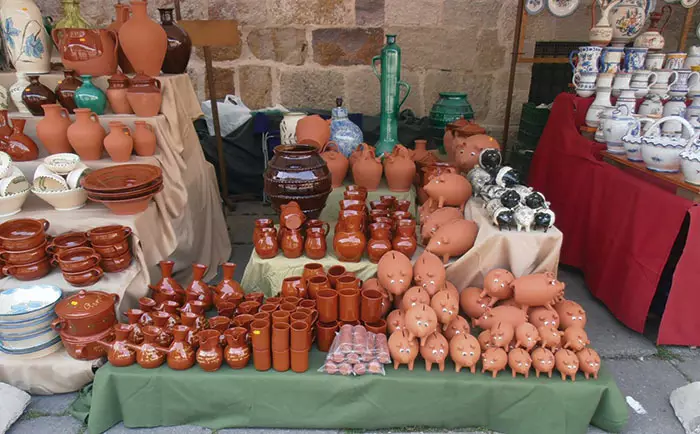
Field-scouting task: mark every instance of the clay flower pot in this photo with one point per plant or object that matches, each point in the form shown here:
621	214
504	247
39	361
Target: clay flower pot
337	163
143	41
86	135
119	143
52	129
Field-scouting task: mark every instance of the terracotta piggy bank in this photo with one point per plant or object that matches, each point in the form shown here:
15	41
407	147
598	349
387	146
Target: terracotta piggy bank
501	335
570	314
465	352
519	361
542	361
484	340
449	189
429	273
452	289
472	303
453	239
395	272
421	321
550	337
507	302
446	307
526	336
395	321
566	363
435	350
589	362
508	314
458	326
541	289
494	360
403	349
436	220
427	209
467	150
575	338
414	296
498	285
541	316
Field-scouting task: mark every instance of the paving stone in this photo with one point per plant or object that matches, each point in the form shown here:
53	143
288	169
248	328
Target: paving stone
52	404
241	228
369	12
285	44
240	256
254	208
181	429
47	424
345	47
684	401
275	431
689	366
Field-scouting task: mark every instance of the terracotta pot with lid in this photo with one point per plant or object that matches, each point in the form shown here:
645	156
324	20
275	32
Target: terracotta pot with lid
85	313
87	347
116	94
144	95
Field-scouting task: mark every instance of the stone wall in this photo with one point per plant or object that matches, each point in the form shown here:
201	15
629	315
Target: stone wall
308	52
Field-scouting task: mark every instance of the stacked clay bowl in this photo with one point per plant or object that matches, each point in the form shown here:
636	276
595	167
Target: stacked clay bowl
80	266
112	244
125	189
23	243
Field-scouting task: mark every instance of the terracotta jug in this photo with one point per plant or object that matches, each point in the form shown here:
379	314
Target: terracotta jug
87	51
5	128
337	163
180	354
118	142
144	95
350	241
380	241
119	353
209	355
122	15
227	288
162	321
399	169
147	306
86	135
367	169
292	243
148	354
116	94
198	288
315	245
293	287
313	130
291	215
144	139
179	44
405	239
166	283
52	129
421	155
36	94
237	352
65	90
144	42
18	145
265	243
135	334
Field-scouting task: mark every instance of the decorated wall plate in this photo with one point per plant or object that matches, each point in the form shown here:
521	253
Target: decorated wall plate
697	31
534	7
689	3
562	8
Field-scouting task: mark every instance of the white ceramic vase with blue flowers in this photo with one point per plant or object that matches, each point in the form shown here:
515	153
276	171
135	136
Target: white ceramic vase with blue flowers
344	132
26	41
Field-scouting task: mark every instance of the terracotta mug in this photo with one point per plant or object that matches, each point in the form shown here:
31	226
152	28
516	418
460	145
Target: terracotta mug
291	300
262	360
312	313
255	296
316	284
334	273
280	336
378	205
309	304
280	360
249	307
273	300
288	307
299	360
226	309
280	316
299	335
269	308
347	282
378	327
325	333
263	316
300	316
260	334
349	304
403	205
327	303
243	320
371	306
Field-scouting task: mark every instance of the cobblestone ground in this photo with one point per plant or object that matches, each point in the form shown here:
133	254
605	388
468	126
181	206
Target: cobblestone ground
643	371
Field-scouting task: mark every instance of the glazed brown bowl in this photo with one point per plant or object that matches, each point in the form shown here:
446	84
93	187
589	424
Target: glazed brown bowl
31	271
127	206
123	177
108	235
76	260
67	241
24	257
113	250
131	194
114	265
23	234
84	278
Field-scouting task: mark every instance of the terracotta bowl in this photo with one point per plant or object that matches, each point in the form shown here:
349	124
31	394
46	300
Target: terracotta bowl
32	271
128	206
131	194
23	234
25	256
113	250
77	259
123	177
84	278
67	241
107	235
114	265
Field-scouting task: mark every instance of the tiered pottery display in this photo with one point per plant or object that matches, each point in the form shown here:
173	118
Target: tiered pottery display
116	94
86	51
86	135
65	90
27	43
91	97
144	95
35	95
179	49
52	130
144	42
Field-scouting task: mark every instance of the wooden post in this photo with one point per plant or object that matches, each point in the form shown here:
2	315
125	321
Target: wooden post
517	40
178	13
686	28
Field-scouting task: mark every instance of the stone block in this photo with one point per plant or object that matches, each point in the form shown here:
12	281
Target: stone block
247	12
303	87
415	100
221	54
52	404
412	13
287	45
477	86
190	9
362	91
255	85
684	401
223	82
319	12
471	14
346	46
506	21
434	48
369	12
490	55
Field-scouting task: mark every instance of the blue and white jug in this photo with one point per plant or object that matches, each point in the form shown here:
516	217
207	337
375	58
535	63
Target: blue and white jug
343	131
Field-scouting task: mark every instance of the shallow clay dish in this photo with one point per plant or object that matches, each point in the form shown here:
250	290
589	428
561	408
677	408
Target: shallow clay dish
121	178
132	194
127	206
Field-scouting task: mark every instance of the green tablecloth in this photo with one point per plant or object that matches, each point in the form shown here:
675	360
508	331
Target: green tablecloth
248	398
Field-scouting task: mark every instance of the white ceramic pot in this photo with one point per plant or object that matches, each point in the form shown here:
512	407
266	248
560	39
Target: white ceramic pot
605	79
288	127
67	200
627	99
610	59
662	153
26	41
632	141
642	80
16	92
616	126
603	117
634	58
602	101
588	57
622	81
690	164
675	60
693	110
627	20
654	61
651	106
674	107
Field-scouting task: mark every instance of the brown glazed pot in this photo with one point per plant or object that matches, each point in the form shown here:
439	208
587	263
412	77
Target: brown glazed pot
237	352
31	271
107	235
20	257
148	354
228	288
86	135
180	354
209	355
315	245
265	243
85	313
67	241
405	239
292	243
144	139
119	353
19	145
23	234
119	143
87	51
77	259
179	44
120	263
198	287
380	241
114	250
298	173
5	128
337	163
36	94
116	94
144	42
334	273
52	129
84	278
88	347
144	95
293	287
65	90
349	241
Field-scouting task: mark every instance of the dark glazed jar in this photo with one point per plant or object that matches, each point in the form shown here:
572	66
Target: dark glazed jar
298	173
179	44
36	94
65	91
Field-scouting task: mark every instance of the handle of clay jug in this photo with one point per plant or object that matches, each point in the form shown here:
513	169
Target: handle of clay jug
675	78
593	23
94	118
653	82
574	78
571	59
64	113
56	35
668	16
408	91
685	124
330	145
374	66
114	36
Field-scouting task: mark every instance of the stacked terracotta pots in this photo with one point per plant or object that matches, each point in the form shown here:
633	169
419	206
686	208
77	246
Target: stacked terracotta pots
23	243
125	189
112	244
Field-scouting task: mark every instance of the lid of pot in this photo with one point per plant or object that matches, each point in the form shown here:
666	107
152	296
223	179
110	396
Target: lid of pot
118	78
85	304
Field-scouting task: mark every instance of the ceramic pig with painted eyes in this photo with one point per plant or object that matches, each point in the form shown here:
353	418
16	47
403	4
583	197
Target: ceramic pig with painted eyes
446	307
498	284
494	360
484	340
526	336
543	361
435	350
436	220
452	289
403	349
570	314
414	296
453	239
395	321
567	364
550	337
449	189
507	314
589	362
465	352
395	272
421	322
575	339
540	289
458	326
519	361
429	273
472	303
541	316
501	335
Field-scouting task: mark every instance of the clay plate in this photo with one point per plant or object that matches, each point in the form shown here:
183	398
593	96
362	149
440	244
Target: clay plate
133	194
121	178
127	206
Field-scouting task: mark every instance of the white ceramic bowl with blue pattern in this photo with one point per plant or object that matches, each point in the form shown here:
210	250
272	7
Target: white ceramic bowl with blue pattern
36	351
27	303
27	341
27	327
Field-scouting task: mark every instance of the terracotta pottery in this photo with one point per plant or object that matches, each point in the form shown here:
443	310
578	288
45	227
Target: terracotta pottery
367	169
498	285
293	287
116	94
86	135
119	143
357	153
162	321
119	353
147	306
144	42
85	313
167	283
65	90
396	321
465	352
87	51
542	361
349	241
144	95
589	362
313	130
399	169
199	287
327	303
436	220
237	352
403	348
5	128
265	243
541	316
429	273
15	257
312	269
380	241
421	321
370	305
76	259
493	316
260	334
453	239
100	236
281	360
458	326
395	272
334	273
414	296
448	137
570	314
180	354
325	333
23	234
355	192
280	336
209	355
449	189
421	155
18	145
292	243
541	289
280	316
135	333
446	307
52	129
567	364
315	245
298	337
435	350
227	289
405	239
494	360
526	336
248	307
519	361
550	337
349	304
299	360
337	163
36	94
468	147
148	354
179	44
378	327
122	15
575	339
501	335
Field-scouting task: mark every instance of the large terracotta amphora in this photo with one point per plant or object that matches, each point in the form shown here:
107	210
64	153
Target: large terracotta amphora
144	41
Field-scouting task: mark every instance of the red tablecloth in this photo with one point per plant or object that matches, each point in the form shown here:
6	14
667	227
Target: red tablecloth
618	228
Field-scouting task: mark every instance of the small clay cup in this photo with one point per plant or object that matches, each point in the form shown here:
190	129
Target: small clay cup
389	200
403	205
308	304
299	360
268	308
243	320
254	296
291	299
334	273
280	336
280	316
219	323
316	284
262	359
273	300
349	304
371	305
300	316
288	307
299	335
327	302
347	282
226	309
260	334
312	313
280	360
325	333
378	327
249	307
263	316
350	323
67	241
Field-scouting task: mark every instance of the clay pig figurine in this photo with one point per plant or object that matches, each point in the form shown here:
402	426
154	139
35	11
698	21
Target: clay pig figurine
526	336
541	316
543	361
501	335
465	352
413	297
421	321
395	321
429	273
589	362
472	303
484	340
575	338
508	314
395	272
452	289
494	360
458	326
570	314
567	364
403	349
541	289
446	307
435	350
519	361
453	239
498	284
436	220
449	189
550	337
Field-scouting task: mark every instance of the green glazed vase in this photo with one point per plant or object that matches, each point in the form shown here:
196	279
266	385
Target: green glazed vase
72	17
391	84
90	96
449	107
